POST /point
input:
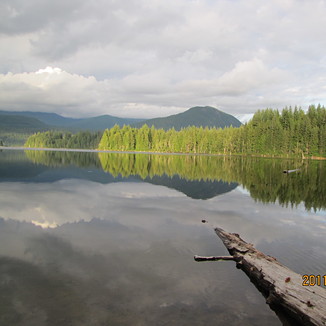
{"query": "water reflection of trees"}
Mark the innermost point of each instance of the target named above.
(263, 178)
(61, 158)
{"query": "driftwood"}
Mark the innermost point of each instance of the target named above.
(283, 288)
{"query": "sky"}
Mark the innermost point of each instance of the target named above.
(153, 58)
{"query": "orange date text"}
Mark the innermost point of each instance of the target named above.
(312, 280)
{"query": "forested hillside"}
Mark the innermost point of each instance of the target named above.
(15, 129)
(289, 133)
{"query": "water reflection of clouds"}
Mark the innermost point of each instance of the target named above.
(137, 257)
(69, 201)
(72, 200)
(110, 276)
(131, 246)
(158, 210)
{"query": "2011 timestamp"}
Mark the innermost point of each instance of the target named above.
(313, 280)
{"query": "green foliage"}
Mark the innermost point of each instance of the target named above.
(58, 139)
(291, 133)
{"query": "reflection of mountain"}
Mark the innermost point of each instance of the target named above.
(62, 165)
(199, 176)
(263, 178)
(44, 174)
(197, 189)
(14, 166)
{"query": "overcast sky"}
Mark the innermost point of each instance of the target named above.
(149, 58)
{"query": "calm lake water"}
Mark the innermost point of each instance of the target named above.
(109, 239)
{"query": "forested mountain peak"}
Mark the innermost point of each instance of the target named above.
(198, 116)
(203, 109)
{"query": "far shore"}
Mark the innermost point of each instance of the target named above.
(97, 151)
(148, 152)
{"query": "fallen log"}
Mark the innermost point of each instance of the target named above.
(282, 287)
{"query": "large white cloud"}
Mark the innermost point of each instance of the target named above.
(142, 95)
(146, 59)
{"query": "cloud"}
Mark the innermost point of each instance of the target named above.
(46, 89)
(21, 17)
(52, 89)
(146, 59)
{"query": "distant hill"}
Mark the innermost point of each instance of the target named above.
(17, 126)
(21, 124)
(53, 120)
(30, 122)
(205, 116)
(101, 123)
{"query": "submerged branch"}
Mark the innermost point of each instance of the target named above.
(212, 258)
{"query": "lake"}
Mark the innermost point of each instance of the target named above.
(109, 239)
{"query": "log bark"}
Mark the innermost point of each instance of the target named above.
(281, 286)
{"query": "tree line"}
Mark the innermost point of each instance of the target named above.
(292, 132)
(289, 133)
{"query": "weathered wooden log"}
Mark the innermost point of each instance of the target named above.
(282, 287)
(212, 258)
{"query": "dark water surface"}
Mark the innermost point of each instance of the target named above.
(109, 239)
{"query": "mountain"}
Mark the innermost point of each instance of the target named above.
(16, 126)
(205, 116)
(53, 120)
(101, 123)
(39, 121)
(21, 124)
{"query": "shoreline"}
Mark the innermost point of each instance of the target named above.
(100, 151)
(316, 158)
